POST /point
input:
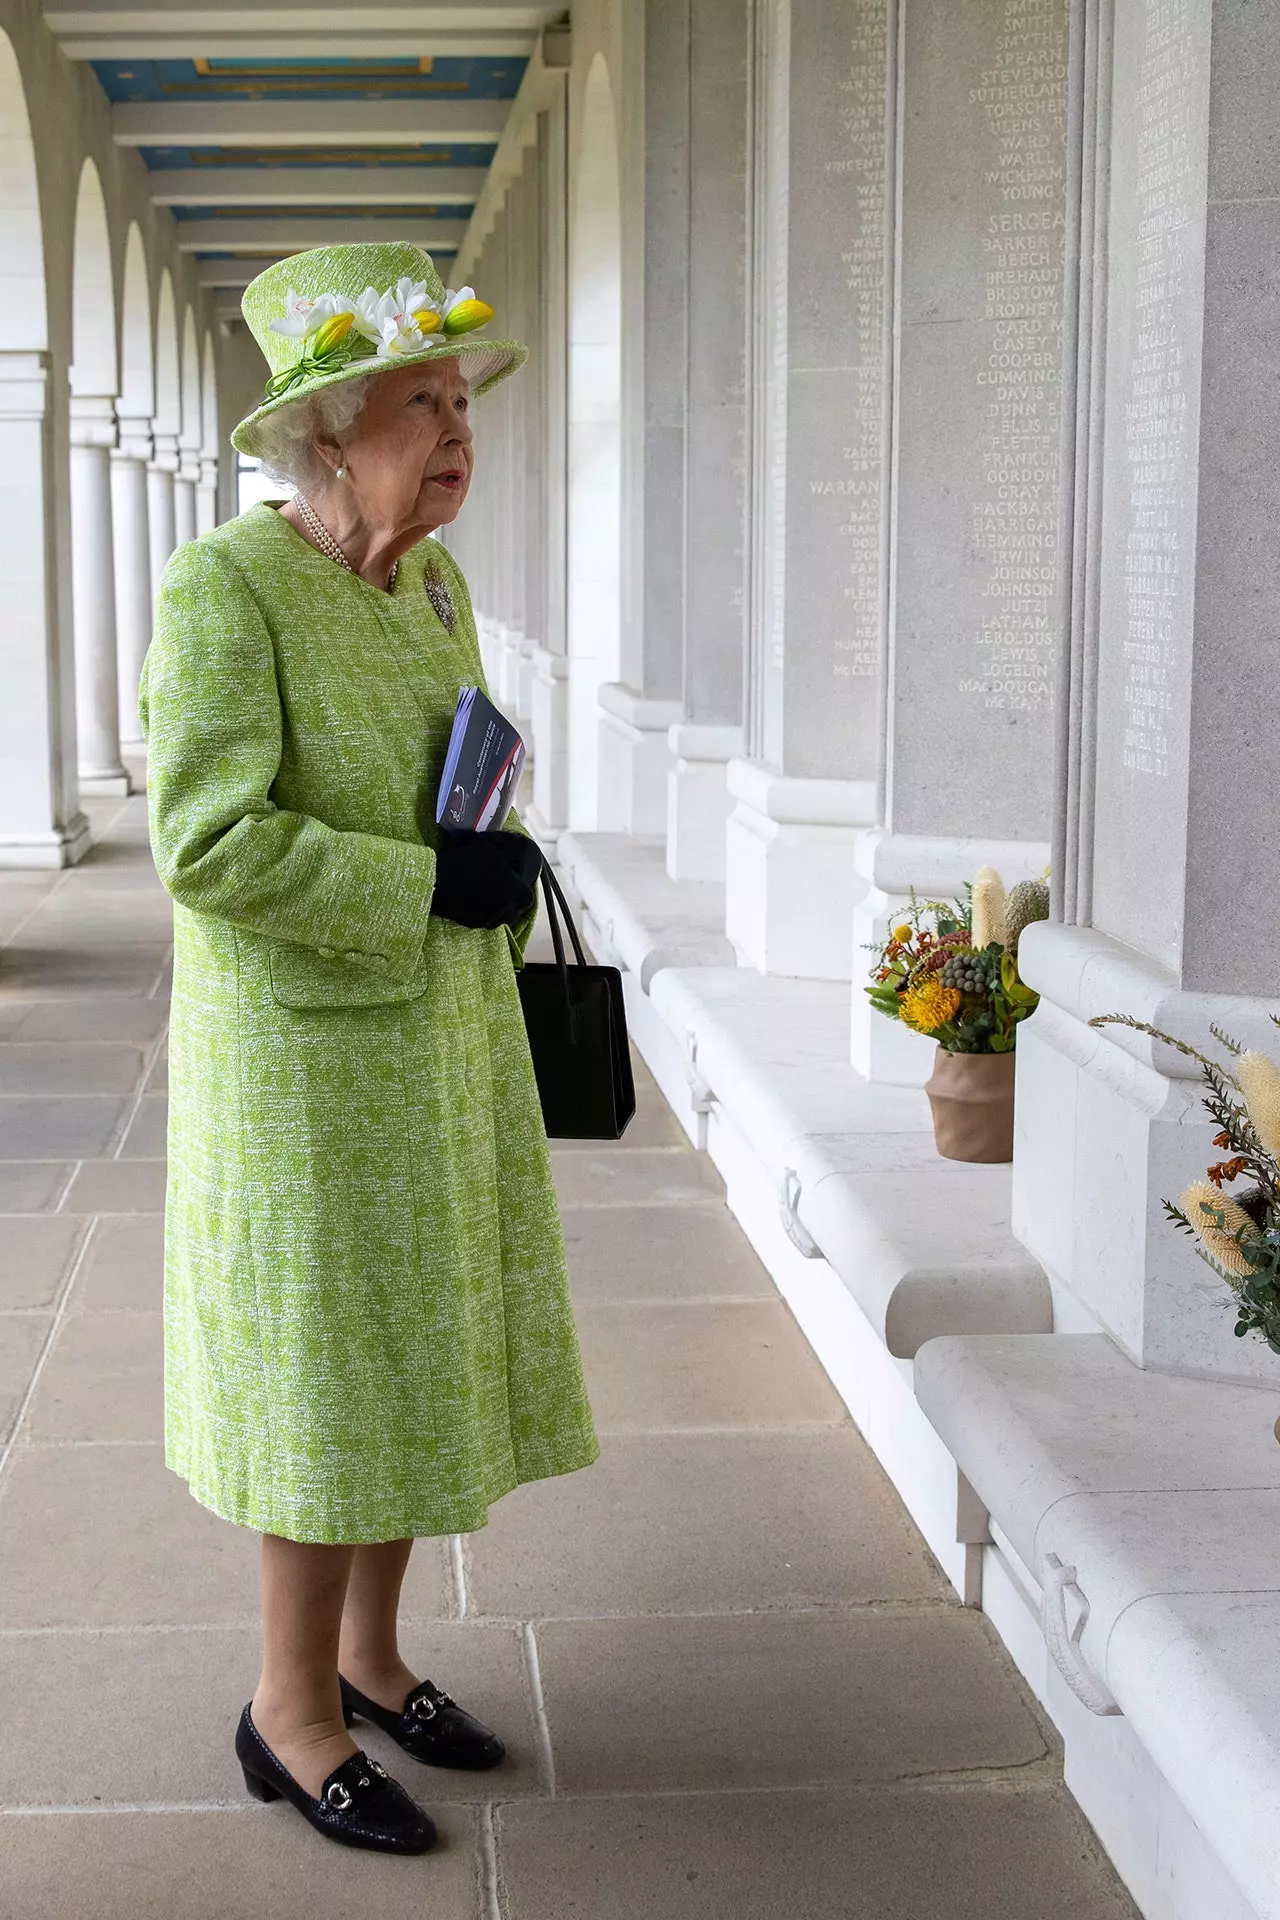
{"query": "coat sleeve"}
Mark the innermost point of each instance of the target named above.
(519, 933)
(210, 711)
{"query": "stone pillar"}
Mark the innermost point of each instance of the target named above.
(93, 433)
(974, 621)
(185, 482)
(161, 506)
(41, 824)
(1167, 851)
(716, 428)
(549, 689)
(820, 365)
(207, 495)
(132, 569)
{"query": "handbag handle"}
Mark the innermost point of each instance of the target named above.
(552, 894)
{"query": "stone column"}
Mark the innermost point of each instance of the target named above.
(820, 441)
(549, 689)
(161, 506)
(93, 433)
(974, 622)
(41, 824)
(713, 677)
(1168, 832)
(132, 569)
(207, 495)
(185, 482)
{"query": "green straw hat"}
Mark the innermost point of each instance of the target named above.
(336, 313)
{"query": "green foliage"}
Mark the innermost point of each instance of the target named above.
(937, 944)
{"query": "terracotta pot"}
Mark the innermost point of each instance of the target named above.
(971, 1095)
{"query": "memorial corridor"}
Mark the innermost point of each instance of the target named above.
(891, 494)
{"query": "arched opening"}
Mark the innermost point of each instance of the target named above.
(95, 373)
(207, 490)
(135, 408)
(189, 434)
(40, 821)
(595, 436)
(166, 426)
(137, 365)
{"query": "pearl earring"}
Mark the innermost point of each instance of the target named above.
(341, 473)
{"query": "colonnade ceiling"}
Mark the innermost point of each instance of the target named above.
(267, 129)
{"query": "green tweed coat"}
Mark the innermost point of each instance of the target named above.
(368, 1332)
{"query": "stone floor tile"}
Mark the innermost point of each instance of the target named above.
(103, 1380)
(164, 1706)
(32, 1186)
(158, 1078)
(147, 1135)
(75, 1126)
(119, 1019)
(772, 1700)
(661, 1253)
(107, 1536)
(38, 1250)
(51, 971)
(958, 1853)
(227, 1866)
(109, 916)
(117, 1186)
(123, 1267)
(781, 1520)
(659, 1176)
(21, 1337)
(68, 1066)
(741, 1363)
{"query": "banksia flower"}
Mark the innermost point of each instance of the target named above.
(929, 1006)
(1259, 1081)
(988, 908)
(1217, 1220)
(1028, 903)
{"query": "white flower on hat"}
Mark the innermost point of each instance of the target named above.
(402, 320)
(303, 316)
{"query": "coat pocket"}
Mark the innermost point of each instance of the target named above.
(301, 977)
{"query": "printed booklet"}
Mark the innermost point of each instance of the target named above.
(481, 769)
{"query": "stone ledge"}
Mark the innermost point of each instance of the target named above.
(639, 917)
(1163, 1495)
(922, 1243)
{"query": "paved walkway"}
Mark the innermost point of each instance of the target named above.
(732, 1682)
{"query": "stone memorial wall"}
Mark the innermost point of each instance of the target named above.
(826, 391)
(983, 104)
(1147, 584)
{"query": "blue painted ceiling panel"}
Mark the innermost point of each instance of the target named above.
(391, 78)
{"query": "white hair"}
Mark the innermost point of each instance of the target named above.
(286, 438)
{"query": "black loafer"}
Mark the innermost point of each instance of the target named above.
(430, 1726)
(360, 1805)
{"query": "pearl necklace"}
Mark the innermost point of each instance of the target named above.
(325, 541)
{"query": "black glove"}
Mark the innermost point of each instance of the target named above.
(486, 879)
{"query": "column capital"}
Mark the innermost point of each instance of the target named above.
(164, 455)
(189, 464)
(93, 420)
(134, 441)
(24, 385)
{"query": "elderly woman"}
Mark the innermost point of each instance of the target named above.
(368, 1335)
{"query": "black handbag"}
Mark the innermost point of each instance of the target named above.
(577, 1027)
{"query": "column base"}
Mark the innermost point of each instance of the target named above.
(635, 758)
(892, 865)
(59, 847)
(698, 799)
(105, 785)
(549, 742)
(1108, 1124)
(790, 880)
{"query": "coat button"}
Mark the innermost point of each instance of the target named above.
(326, 953)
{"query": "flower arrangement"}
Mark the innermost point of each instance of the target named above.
(335, 331)
(1238, 1233)
(950, 969)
